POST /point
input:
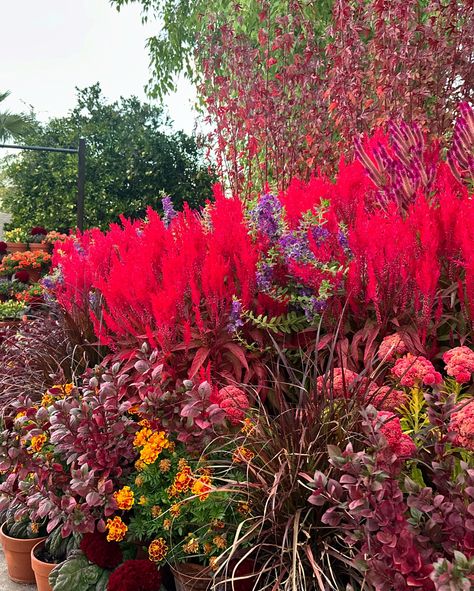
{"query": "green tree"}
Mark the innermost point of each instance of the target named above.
(132, 157)
(12, 125)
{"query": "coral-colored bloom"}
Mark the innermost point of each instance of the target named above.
(157, 550)
(202, 487)
(124, 498)
(462, 424)
(414, 371)
(235, 403)
(386, 398)
(399, 443)
(392, 346)
(338, 382)
(116, 529)
(183, 479)
(459, 364)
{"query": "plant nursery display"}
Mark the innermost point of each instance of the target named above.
(273, 392)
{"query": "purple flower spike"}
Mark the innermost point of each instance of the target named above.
(168, 210)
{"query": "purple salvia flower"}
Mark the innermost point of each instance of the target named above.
(168, 210)
(235, 317)
(267, 216)
(264, 277)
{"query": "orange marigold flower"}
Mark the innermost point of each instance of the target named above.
(141, 437)
(242, 454)
(144, 423)
(217, 524)
(157, 550)
(207, 547)
(149, 454)
(202, 487)
(165, 465)
(133, 410)
(37, 442)
(175, 510)
(116, 529)
(191, 546)
(243, 508)
(220, 542)
(124, 498)
(156, 511)
(213, 562)
(166, 524)
(248, 426)
(47, 399)
(183, 479)
(139, 480)
(139, 465)
(34, 527)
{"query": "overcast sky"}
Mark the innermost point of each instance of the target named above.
(48, 47)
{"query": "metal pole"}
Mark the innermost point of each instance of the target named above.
(81, 181)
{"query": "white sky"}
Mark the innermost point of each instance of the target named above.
(48, 47)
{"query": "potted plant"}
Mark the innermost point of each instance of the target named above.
(11, 312)
(53, 237)
(18, 536)
(36, 239)
(10, 289)
(47, 554)
(183, 513)
(16, 240)
(34, 263)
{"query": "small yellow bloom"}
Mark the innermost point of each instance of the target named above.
(124, 498)
(47, 400)
(20, 414)
(142, 500)
(37, 442)
(166, 524)
(157, 550)
(116, 529)
(149, 454)
(220, 542)
(141, 437)
(213, 562)
(156, 511)
(191, 546)
(242, 454)
(145, 423)
(139, 465)
(175, 510)
(165, 465)
(35, 527)
(202, 487)
(247, 426)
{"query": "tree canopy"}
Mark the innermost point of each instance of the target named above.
(132, 158)
(12, 125)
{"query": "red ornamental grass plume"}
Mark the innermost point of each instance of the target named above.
(101, 552)
(135, 575)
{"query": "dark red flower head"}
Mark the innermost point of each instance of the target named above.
(99, 551)
(38, 231)
(135, 575)
(22, 276)
(3, 247)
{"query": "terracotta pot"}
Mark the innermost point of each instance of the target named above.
(38, 246)
(192, 577)
(16, 246)
(18, 557)
(41, 569)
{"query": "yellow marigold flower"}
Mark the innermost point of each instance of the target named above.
(116, 529)
(157, 550)
(242, 454)
(139, 481)
(139, 465)
(133, 410)
(247, 426)
(142, 500)
(35, 527)
(20, 414)
(175, 510)
(202, 487)
(191, 546)
(171, 446)
(124, 498)
(159, 439)
(68, 388)
(243, 508)
(47, 399)
(149, 454)
(165, 465)
(145, 423)
(220, 542)
(207, 548)
(156, 511)
(141, 437)
(37, 442)
(166, 524)
(213, 562)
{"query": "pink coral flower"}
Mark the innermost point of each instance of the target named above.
(413, 371)
(392, 346)
(386, 398)
(340, 381)
(399, 443)
(459, 364)
(462, 425)
(234, 402)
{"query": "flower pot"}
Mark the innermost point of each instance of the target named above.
(40, 568)
(38, 246)
(192, 577)
(16, 247)
(18, 557)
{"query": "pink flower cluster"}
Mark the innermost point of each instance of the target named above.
(413, 371)
(399, 443)
(338, 383)
(392, 346)
(462, 424)
(459, 364)
(234, 402)
(386, 398)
